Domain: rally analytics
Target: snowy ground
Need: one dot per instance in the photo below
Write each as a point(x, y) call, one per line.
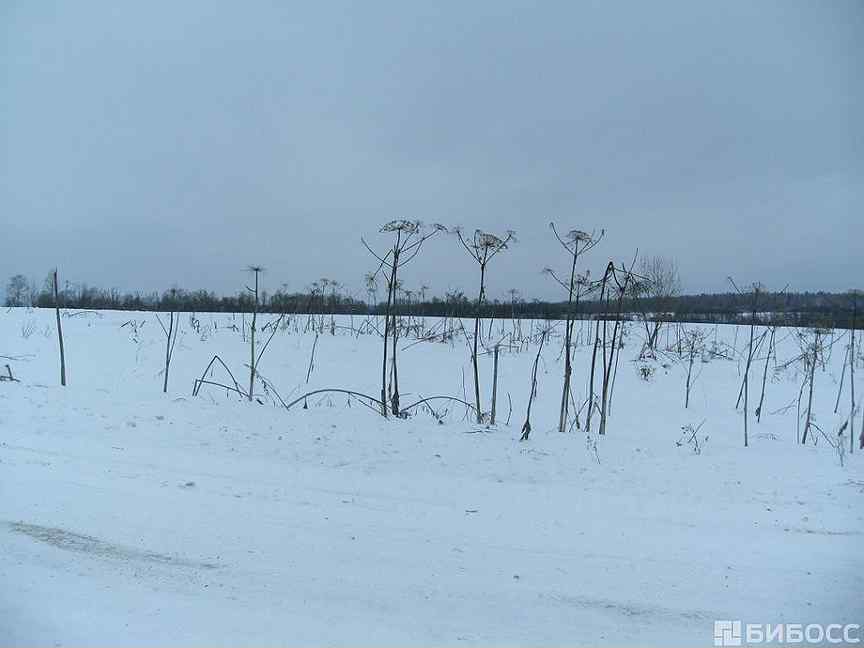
point(136, 518)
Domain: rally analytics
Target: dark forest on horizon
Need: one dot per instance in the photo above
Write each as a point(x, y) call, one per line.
point(835, 310)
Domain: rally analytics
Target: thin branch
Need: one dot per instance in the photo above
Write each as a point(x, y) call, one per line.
point(336, 390)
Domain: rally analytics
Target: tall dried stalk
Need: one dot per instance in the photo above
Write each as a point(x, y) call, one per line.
point(756, 291)
point(407, 242)
point(483, 247)
point(603, 286)
point(571, 243)
point(694, 343)
point(252, 360)
point(622, 278)
point(812, 352)
point(170, 332)
point(771, 349)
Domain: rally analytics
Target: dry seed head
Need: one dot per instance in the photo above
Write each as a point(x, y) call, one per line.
point(485, 240)
point(402, 225)
point(578, 236)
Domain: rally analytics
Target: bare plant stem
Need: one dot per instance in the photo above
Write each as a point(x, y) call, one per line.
point(474, 358)
point(256, 270)
point(842, 381)
point(494, 386)
point(482, 248)
point(812, 368)
point(59, 332)
point(568, 337)
point(852, 377)
point(387, 314)
point(765, 375)
point(311, 359)
point(594, 355)
point(394, 398)
point(746, 402)
point(690, 370)
point(526, 426)
point(170, 340)
point(322, 391)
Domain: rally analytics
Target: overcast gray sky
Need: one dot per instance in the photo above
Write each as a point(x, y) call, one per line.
point(150, 143)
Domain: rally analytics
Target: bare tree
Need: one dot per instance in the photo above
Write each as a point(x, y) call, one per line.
point(660, 283)
point(482, 247)
point(575, 287)
point(408, 239)
point(16, 291)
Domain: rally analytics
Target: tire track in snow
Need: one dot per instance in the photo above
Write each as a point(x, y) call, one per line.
point(79, 543)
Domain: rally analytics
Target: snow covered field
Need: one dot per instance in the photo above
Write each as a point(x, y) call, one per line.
point(131, 517)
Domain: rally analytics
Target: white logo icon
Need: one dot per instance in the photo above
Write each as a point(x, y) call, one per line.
point(727, 633)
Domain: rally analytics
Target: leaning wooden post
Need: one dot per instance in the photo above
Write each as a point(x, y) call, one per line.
point(59, 332)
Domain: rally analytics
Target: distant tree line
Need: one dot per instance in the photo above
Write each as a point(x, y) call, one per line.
point(325, 296)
